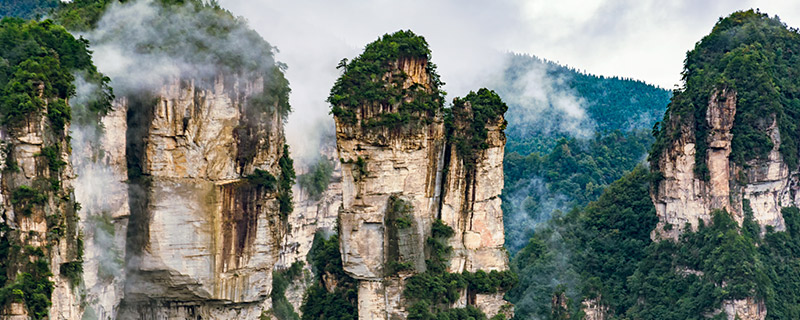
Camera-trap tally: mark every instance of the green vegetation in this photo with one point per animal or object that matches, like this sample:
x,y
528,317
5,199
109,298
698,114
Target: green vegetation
x,y
432,292
400,212
610,103
266,182
693,276
316,181
606,240
398,221
322,302
262,179
54,162
73,271
81,15
36,73
33,287
755,56
286,182
24,198
574,173
465,123
281,308
200,33
373,80
26,9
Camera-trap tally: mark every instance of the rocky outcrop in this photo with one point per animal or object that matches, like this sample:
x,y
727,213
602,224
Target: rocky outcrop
x,y
749,308
683,197
201,239
411,173
377,164
471,206
39,223
594,310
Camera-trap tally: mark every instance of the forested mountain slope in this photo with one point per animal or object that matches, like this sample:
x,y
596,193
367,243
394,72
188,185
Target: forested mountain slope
x,y
570,135
711,230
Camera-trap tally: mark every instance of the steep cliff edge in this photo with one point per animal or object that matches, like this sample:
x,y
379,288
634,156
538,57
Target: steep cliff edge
x,y
41,245
402,166
188,147
729,138
730,135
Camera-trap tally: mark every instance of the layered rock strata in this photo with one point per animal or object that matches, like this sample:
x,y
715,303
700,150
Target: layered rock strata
x,y
39,222
682,197
201,239
415,166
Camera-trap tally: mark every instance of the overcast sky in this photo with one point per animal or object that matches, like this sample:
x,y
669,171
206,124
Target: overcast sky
x,y
640,39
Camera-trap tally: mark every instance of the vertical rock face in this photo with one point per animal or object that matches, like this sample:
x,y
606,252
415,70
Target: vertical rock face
x,y
201,239
471,205
411,173
379,163
310,215
39,220
98,157
682,197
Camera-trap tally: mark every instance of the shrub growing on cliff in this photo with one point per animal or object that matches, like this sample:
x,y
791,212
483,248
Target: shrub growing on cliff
x,y
466,121
316,181
322,302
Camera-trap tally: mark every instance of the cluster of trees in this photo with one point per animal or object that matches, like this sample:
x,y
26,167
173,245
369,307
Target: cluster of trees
x,y
322,302
37,72
316,181
372,80
466,126
609,103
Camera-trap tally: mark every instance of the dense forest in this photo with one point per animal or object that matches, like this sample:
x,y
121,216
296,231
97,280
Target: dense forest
x,y
549,167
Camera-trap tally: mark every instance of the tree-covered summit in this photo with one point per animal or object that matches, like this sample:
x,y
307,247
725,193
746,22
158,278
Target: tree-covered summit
x,y
758,57
373,79
466,121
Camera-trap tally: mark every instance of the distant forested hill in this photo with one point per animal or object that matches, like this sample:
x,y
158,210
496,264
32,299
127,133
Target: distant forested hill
x,y
549,100
27,9
570,134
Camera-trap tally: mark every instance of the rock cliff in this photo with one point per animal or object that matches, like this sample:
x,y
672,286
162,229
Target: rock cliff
x,y
203,234
728,140
401,176
40,238
682,197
